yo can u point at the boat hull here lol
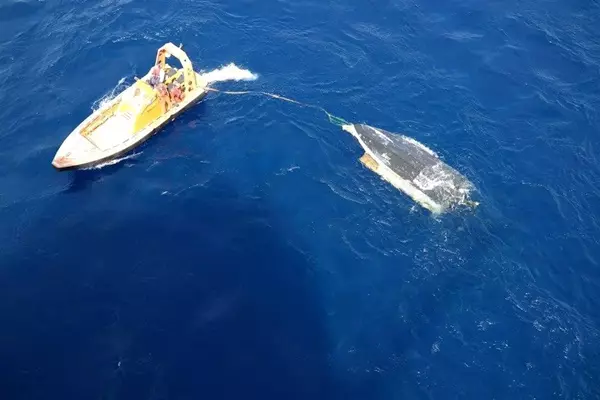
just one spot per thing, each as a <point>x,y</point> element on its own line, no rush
<point>62,164</point>
<point>113,138</point>
<point>412,168</point>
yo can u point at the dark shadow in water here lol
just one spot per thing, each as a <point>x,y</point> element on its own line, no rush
<point>82,179</point>
<point>195,299</point>
<point>14,10</point>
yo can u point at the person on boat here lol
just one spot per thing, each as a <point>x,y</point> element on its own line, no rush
<point>177,94</point>
<point>157,75</point>
<point>162,90</point>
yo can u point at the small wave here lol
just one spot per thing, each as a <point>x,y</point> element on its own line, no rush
<point>284,171</point>
<point>230,72</point>
<point>462,36</point>
<point>344,193</point>
<point>110,95</point>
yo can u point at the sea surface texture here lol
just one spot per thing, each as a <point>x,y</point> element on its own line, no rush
<point>244,252</point>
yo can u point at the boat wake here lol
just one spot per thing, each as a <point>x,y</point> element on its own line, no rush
<point>230,72</point>
<point>113,162</point>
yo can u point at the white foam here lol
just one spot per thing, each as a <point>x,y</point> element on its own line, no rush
<point>421,145</point>
<point>114,92</point>
<point>114,161</point>
<point>230,72</point>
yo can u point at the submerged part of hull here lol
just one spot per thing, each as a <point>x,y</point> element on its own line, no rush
<point>412,168</point>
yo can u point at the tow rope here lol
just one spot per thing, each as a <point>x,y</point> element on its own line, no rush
<point>332,118</point>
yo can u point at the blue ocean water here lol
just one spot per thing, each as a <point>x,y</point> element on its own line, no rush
<point>244,252</point>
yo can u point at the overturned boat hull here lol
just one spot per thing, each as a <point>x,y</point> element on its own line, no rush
<point>412,168</point>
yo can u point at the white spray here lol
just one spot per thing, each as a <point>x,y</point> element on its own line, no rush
<point>230,72</point>
<point>113,162</point>
<point>114,92</point>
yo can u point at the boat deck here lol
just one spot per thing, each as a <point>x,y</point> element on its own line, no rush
<point>115,131</point>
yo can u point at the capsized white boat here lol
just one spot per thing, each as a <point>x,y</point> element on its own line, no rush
<point>413,168</point>
<point>135,114</point>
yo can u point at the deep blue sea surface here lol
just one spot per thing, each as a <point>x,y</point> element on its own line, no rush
<point>245,253</point>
